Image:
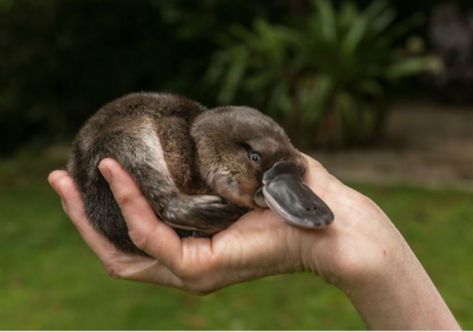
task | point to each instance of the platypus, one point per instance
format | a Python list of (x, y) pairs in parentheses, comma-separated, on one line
[(200, 169)]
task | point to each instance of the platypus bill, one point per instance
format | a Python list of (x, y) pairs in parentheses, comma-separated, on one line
[(200, 169)]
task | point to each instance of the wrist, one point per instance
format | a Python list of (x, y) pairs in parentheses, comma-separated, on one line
[(400, 296)]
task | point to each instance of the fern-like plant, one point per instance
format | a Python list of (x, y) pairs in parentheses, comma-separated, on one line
[(325, 79)]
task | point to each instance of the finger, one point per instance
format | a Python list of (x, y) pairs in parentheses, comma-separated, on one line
[(64, 185), (151, 271), (146, 231), (54, 180), (141, 268), (117, 263)]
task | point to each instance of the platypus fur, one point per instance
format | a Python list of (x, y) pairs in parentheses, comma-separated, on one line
[(200, 169)]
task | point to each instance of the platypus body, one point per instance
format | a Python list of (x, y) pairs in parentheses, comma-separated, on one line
[(200, 169)]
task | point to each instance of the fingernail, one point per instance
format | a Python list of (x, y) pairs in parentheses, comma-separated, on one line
[(105, 170), (52, 177), (57, 186)]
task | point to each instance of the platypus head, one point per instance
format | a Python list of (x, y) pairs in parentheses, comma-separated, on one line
[(247, 158)]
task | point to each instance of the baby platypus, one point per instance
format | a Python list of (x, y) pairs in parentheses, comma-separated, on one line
[(200, 169)]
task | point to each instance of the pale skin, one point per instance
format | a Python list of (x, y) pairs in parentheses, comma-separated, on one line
[(362, 252)]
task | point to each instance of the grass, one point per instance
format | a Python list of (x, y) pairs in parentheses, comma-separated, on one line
[(50, 280)]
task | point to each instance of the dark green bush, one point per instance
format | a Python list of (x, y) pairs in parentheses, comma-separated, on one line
[(61, 59), (327, 76)]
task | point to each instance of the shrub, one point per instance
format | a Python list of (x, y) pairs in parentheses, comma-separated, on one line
[(329, 74)]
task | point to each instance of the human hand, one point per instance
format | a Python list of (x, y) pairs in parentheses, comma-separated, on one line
[(361, 252), (257, 245)]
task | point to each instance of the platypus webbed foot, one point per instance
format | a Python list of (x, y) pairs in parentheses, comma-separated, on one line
[(204, 213), (286, 194)]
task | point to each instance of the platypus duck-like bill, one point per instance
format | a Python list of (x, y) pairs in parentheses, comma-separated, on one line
[(285, 193)]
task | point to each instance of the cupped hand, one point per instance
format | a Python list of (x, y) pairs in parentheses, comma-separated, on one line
[(360, 242)]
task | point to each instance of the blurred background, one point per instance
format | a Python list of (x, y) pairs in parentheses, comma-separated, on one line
[(379, 92)]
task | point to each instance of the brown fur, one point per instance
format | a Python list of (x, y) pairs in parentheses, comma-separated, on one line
[(192, 164)]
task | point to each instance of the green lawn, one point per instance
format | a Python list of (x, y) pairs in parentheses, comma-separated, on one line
[(50, 280)]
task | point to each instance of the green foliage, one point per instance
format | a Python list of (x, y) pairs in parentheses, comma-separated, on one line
[(329, 72), (62, 59)]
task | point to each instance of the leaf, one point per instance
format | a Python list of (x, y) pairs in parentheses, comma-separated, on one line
[(375, 9), (315, 96), (408, 67), (354, 36), (347, 113), (233, 76), (347, 16), (280, 100), (326, 17), (260, 81), (382, 21), (217, 69), (380, 16)]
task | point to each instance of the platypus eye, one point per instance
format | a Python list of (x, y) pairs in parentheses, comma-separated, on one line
[(254, 156)]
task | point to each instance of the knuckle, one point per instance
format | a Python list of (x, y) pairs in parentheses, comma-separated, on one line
[(193, 275), (190, 276), (139, 239), (127, 196), (124, 198), (196, 274)]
